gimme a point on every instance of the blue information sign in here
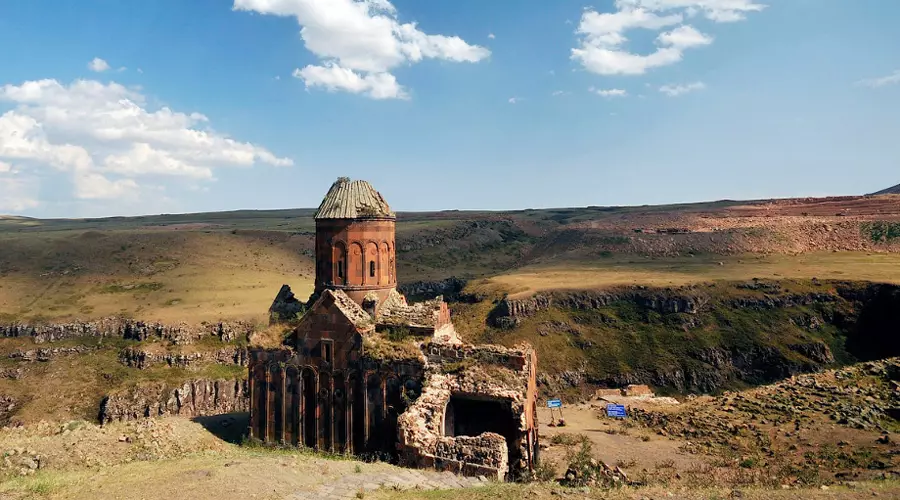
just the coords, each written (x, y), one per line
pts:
(554, 403)
(617, 411)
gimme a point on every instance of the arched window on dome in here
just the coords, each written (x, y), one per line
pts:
(339, 264)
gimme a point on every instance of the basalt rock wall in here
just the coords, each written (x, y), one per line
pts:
(128, 329)
(704, 339)
(142, 359)
(509, 312)
(194, 398)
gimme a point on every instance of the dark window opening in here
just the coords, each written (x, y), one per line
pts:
(340, 269)
(327, 351)
(473, 416)
(371, 268)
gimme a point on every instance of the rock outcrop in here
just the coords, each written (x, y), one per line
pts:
(194, 398)
(286, 307)
(449, 288)
(128, 329)
(509, 312)
(140, 358)
(48, 353)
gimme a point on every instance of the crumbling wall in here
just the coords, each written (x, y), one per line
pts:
(285, 307)
(482, 371)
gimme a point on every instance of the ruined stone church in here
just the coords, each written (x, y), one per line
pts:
(367, 373)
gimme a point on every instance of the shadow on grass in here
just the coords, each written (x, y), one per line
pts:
(229, 427)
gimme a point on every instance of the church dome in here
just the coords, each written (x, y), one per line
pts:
(353, 200)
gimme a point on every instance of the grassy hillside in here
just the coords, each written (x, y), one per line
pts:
(228, 265)
(736, 334)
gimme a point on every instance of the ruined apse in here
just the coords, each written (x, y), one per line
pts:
(367, 373)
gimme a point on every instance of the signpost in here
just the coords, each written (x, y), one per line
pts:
(615, 411)
(555, 404)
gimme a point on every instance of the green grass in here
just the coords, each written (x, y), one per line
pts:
(881, 231)
(676, 271)
(625, 338)
(41, 484)
(133, 288)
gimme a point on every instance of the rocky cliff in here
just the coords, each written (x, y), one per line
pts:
(194, 398)
(700, 339)
(136, 357)
(128, 329)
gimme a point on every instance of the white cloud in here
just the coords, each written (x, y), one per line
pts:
(602, 37)
(514, 100)
(677, 90)
(98, 65)
(105, 137)
(360, 42)
(333, 77)
(94, 186)
(721, 11)
(557, 93)
(491, 36)
(892, 79)
(17, 194)
(609, 92)
(684, 37)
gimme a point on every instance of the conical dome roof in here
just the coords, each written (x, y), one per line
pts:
(353, 200)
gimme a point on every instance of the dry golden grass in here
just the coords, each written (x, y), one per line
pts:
(152, 275)
(634, 270)
(184, 460)
(543, 491)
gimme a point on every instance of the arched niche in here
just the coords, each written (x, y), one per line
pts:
(355, 264)
(292, 405)
(326, 413)
(384, 259)
(309, 388)
(339, 263)
(374, 412)
(372, 264)
(260, 397)
(276, 403)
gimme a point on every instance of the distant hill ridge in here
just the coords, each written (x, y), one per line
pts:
(890, 190)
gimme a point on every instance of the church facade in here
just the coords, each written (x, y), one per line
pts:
(366, 373)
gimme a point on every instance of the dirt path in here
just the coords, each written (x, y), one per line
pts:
(631, 449)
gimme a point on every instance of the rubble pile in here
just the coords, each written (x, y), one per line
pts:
(805, 421)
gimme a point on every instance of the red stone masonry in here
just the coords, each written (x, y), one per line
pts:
(356, 256)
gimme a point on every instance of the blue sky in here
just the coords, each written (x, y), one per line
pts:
(225, 104)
